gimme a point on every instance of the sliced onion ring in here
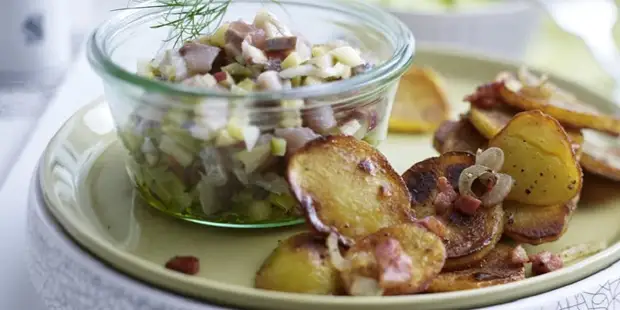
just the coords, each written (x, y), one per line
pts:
(469, 175)
(493, 158)
(334, 253)
(498, 193)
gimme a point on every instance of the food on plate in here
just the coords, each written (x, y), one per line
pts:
(529, 92)
(346, 186)
(421, 103)
(498, 267)
(184, 264)
(397, 260)
(601, 156)
(300, 264)
(223, 159)
(458, 136)
(540, 157)
(537, 224)
(524, 223)
(473, 216)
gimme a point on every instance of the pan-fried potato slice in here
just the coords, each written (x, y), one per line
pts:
(347, 187)
(561, 105)
(601, 155)
(421, 103)
(537, 224)
(458, 136)
(489, 122)
(539, 156)
(300, 264)
(397, 260)
(495, 269)
(468, 238)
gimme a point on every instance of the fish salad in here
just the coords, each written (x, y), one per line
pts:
(224, 159)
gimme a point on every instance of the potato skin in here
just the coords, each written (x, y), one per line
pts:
(300, 264)
(347, 187)
(537, 224)
(425, 249)
(575, 114)
(539, 156)
(458, 136)
(495, 269)
(468, 238)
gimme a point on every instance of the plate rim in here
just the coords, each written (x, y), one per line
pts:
(154, 273)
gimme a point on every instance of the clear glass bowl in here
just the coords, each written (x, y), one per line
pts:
(205, 177)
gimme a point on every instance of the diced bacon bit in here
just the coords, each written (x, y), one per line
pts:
(446, 196)
(184, 264)
(467, 204)
(433, 225)
(395, 266)
(486, 96)
(220, 76)
(545, 262)
(519, 255)
(199, 58)
(385, 191)
(295, 137)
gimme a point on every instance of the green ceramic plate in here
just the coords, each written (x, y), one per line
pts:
(87, 189)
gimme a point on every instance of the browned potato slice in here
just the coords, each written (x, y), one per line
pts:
(495, 269)
(346, 186)
(489, 122)
(537, 224)
(458, 136)
(602, 155)
(539, 156)
(562, 107)
(397, 260)
(300, 264)
(421, 103)
(468, 238)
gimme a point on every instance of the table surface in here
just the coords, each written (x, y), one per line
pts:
(551, 49)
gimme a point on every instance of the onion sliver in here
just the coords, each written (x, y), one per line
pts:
(469, 175)
(498, 193)
(334, 253)
(492, 158)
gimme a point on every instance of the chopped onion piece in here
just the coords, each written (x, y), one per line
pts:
(347, 55)
(269, 80)
(252, 54)
(365, 286)
(339, 262)
(469, 175)
(148, 146)
(493, 158)
(291, 61)
(323, 61)
(500, 190)
(278, 146)
(255, 158)
(209, 202)
(302, 70)
(182, 156)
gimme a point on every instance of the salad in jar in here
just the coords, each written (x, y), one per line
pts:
(223, 160)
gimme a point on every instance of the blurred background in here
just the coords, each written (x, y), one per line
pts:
(45, 38)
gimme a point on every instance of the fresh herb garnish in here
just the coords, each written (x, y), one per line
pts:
(187, 19)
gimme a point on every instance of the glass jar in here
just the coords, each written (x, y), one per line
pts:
(185, 157)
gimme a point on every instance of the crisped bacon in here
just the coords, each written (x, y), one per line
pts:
(545, 262)
(184, 264)
(486, 96)
(467, 204)
(445, 197)
(519, 255)
(395, 266)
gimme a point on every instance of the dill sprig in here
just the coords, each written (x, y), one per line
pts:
(187, 19)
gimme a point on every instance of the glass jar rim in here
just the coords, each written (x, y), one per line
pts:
(390, 69)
